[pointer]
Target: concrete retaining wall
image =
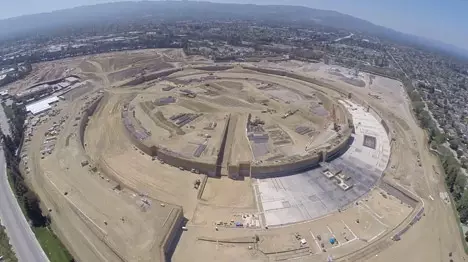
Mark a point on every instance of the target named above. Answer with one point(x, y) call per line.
point(222, 147)
point(144, 78)
point(245, 169)
point(170, 241)
point(177, 160)
point(324, 84)
point(279, 72)
point(286, 168)
point(202, 187)
point(85, 117)
point(341, 148)
point(54, 81)
point(214, 68)
point(229, 140)
point(172, 158)
point(283, 169)
point(240, 170)
point(384, 124)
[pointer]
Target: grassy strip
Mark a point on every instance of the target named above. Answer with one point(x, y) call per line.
point(5, 248)
point(52, 246)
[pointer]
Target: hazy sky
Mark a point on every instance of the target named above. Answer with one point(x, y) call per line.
point(444, 20)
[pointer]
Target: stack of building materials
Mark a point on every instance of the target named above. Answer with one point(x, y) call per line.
point(188, 93)
point(165, 101)
point(184, 118)
point(168, 88)
point(302, 130)
point(199, 150)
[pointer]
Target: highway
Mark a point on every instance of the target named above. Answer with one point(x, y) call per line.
point(21, 236)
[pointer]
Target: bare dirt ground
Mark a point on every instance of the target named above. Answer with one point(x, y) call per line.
point(437, 233)
point(43, 72)
point(239, 194)
point(78, 200)
point(104, 215)
point(241, 92)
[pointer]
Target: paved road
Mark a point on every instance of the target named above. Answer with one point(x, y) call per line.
point(22, 238)
point(4, 122)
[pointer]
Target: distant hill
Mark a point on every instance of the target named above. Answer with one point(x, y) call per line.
point(126, 12)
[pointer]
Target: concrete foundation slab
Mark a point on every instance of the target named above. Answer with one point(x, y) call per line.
point(309, 195)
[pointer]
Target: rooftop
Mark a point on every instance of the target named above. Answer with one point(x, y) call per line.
point(41, 106)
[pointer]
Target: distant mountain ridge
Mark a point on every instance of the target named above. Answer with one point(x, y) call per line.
point(146, 11)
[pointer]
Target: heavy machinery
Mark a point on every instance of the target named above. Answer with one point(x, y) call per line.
point(196, 184)
point(289, 113)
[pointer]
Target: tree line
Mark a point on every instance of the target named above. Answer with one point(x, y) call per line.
point(455, 179)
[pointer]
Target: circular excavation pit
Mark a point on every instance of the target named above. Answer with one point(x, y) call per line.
point(212, 149)
point(237, 122)
point(310, 150)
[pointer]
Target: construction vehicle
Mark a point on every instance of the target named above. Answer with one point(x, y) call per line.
point(257, 121)
point(197, 183)
point(289, 113)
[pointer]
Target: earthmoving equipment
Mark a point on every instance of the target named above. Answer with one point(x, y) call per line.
point(196, 184)
point(289, 113)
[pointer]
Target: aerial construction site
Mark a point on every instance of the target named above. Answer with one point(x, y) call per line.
point(153, 155)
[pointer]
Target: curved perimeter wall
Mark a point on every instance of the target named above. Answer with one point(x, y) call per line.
point(246, 168)
point(167, 245)
point(214, 67)
point(89, 111)
point(310, 162)
point(177, 160)
point(144, 78)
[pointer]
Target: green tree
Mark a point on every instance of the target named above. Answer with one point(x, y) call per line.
point(33, 209)
point(462, 207)
point(415, 96)
point(425, 119)
point(459, 186)
point(451, 168)
point(418, 107)
point(454, 143)
point(439, 137)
